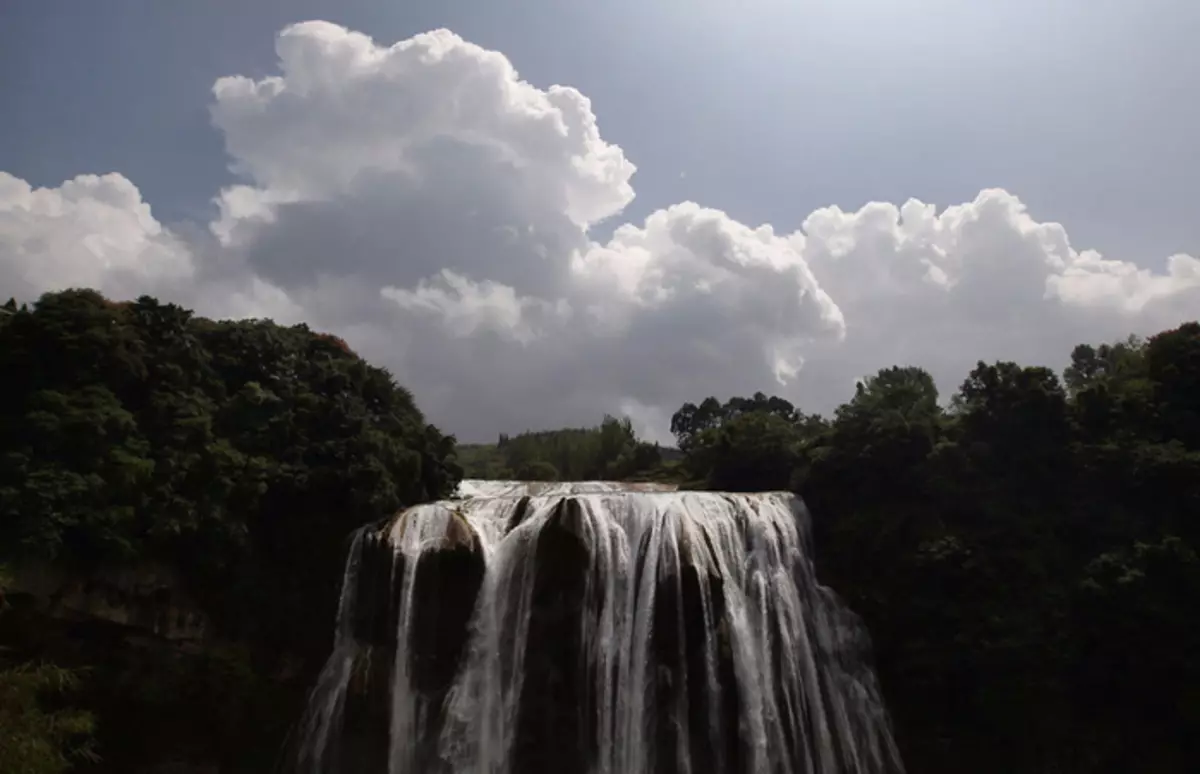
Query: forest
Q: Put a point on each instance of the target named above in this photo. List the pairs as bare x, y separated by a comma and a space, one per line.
1023, 550
1024, 553
240, 454
610, 451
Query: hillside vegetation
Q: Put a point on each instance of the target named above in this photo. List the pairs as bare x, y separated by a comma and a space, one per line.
240, 454
1025, 556
1024, 551
609, 451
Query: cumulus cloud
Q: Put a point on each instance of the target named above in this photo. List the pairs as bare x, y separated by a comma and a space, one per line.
457, 200
695, 292
92, 231
979, 280
434, 209
427, 155
464, 307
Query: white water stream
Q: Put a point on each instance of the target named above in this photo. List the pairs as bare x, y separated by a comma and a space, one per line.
698, 641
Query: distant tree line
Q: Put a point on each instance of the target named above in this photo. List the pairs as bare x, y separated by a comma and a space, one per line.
609, 451
1025, 556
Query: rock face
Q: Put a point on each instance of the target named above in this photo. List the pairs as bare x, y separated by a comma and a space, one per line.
147, 597
168, 694
590, 628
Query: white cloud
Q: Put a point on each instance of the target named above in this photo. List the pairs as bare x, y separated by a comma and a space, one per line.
465, 308
700, 295
92, 231
460, 197
344, 108
980, 280
432, 208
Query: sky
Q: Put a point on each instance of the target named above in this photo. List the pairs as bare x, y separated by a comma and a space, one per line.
537, 212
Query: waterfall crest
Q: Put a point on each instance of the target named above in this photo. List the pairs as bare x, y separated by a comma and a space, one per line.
594, 627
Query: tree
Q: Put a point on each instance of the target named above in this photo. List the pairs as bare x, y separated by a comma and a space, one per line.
691, 420
239, 452
1106, 364
35, 739
744, 444
1025, 560
908, 392
1173, 364
610, 450
753, 451
1141, 600
537, 470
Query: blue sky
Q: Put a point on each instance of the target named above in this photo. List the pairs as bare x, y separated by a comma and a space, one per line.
1086, 110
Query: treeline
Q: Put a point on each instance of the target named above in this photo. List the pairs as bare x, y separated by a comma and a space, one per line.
1025, 555
610, 451
240, 454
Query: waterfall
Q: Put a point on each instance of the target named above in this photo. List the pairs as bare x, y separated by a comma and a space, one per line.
594, 628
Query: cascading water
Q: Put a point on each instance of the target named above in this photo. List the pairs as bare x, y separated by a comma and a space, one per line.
594, 628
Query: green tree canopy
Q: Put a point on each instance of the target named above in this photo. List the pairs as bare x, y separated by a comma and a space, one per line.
35, 736
610, 450
240, 452
1025, 558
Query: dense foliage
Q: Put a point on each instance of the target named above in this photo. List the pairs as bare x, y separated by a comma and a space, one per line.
609, 451
239, 455
35, 737
1025, 558
1025, 554
241, 452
